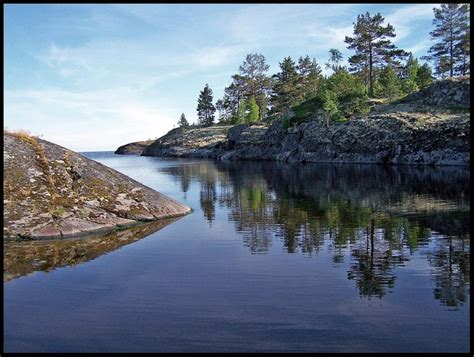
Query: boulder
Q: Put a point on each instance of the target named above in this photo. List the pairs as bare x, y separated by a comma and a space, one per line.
50, 191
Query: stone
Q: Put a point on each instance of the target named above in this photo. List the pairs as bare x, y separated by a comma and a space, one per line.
135, 148
74, 205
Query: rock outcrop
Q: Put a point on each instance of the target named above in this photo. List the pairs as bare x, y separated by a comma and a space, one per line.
50, 191
193, 142
430, 127
135, 148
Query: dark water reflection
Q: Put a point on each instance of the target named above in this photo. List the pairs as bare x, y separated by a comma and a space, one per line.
24, 257
275, 257
373, 215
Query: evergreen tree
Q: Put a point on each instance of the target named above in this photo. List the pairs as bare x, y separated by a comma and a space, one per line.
443, 67
220, 110
372, 47
452, 31
335, 58
410, 75
424, 76
464, 45
253, 115
205, 107
262, 106
342, 96
183, 122
240, 116
285, 93
330, 105
234, 94
255, 81
311, 80
390, 84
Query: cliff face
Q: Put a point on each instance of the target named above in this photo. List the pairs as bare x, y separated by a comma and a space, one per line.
50, 191
135, 148
430, 127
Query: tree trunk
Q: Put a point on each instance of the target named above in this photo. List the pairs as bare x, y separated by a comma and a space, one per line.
371, 78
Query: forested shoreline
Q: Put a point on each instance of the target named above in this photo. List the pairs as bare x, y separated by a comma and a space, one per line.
377, 71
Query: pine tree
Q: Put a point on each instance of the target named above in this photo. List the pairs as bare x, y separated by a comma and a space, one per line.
285, 86
410, 75
372, 46
464, 45
313, 79
205, 107
309, 74
342, 96
183, 122
424, 76
335, 58
452, 29
239, 117
390, 84
443, 67
234, 94
262, 105
253, 115
255, 81
220, 110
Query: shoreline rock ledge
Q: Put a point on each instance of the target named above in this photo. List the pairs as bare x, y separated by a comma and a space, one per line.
50, 191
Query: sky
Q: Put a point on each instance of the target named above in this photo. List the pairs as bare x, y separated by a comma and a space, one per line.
92, 77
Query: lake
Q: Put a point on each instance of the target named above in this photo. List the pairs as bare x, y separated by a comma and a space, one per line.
275, 257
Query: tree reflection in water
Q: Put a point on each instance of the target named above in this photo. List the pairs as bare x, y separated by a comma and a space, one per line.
376, 216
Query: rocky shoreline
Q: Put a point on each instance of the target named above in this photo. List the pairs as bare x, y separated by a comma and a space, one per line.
135, 148
50, 191
430, 127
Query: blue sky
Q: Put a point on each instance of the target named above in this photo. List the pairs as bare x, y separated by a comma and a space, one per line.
93, 77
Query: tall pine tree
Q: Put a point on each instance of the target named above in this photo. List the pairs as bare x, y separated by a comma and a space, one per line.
285, 93
309, 74
424, 76
256, 83
205, 107
335, 59
452, 31
183, 122
410, 75
372, 46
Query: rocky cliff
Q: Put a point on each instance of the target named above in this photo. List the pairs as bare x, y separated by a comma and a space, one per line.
50, 191
430, 127
135, 148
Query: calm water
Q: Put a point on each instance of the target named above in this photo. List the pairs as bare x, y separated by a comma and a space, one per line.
275, 257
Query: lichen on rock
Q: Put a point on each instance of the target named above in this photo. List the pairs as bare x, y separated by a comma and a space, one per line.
50, 191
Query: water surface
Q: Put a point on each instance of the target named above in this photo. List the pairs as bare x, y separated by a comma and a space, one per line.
275, 257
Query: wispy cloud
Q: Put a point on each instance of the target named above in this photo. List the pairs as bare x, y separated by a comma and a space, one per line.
404, 18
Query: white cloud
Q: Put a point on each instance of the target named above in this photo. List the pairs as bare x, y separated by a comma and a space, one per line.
403, 19
331, 37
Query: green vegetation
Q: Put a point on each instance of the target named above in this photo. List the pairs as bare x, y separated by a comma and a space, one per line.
451, 52
183, 122
373, 48
253, 115
377, 69
205, 107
